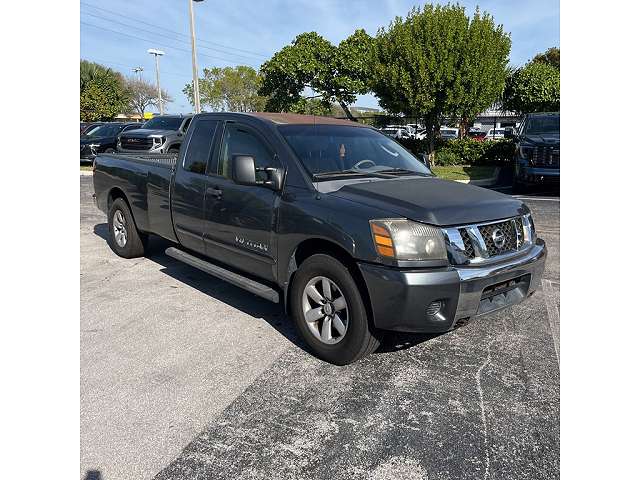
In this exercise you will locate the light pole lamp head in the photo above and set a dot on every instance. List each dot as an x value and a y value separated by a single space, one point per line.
153 51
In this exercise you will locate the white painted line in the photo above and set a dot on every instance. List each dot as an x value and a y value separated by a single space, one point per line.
553 316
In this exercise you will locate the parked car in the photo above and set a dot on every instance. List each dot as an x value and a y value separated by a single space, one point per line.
339 223
410 131
103 138
396 132
495 134
476 134
161 134
537 158
449 133
87 127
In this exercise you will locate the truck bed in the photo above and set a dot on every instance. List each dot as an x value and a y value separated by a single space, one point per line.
146 181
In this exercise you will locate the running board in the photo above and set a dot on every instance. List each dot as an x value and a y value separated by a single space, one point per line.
245 283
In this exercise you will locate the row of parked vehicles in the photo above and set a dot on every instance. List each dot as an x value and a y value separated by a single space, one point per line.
162 134
414 131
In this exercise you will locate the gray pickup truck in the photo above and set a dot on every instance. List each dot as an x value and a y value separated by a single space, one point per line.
340 224
162 134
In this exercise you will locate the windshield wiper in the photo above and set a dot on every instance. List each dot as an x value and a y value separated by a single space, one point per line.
400 170
351 171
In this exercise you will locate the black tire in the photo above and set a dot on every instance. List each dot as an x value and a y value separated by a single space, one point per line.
110 150
133 245
174 149
361 338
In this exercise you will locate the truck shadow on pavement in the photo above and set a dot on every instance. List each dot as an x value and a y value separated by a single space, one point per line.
247 303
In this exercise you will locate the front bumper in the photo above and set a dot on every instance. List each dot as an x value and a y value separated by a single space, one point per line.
537 175
400 297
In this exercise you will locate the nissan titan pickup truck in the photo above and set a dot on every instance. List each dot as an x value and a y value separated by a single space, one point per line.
350 232
162 134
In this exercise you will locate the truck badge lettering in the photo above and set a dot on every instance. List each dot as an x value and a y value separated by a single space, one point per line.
251 244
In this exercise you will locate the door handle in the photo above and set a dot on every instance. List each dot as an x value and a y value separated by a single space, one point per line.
214 192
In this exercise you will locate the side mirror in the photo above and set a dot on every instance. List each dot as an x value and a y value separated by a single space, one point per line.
243 172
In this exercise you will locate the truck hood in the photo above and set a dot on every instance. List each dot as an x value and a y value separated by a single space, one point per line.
433 200
543 139
145 132
87 140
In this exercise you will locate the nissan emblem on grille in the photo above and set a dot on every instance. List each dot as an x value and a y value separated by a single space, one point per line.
498 238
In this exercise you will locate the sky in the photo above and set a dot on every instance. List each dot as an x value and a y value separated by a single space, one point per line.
118 33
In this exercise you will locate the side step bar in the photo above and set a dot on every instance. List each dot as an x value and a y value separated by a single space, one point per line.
252 286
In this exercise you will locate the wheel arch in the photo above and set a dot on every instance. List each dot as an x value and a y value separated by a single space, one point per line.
117 192
313 246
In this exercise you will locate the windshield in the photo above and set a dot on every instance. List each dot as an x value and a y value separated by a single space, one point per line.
164 123
538 125
337 148
105 131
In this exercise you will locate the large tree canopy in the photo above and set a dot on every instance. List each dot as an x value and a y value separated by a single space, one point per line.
232 89
102 92
533 88
336 74
438 62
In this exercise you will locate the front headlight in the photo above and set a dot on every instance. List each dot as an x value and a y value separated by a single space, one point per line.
404 239
157 141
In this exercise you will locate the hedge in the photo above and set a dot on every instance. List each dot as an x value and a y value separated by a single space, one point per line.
466 151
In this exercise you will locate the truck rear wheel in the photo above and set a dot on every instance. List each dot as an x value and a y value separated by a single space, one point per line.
124 238
329 312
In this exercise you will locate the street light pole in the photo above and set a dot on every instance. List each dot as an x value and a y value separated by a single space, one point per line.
157 53
139 71
194 60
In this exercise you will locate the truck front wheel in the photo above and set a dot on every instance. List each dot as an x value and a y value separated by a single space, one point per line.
329 312
124 238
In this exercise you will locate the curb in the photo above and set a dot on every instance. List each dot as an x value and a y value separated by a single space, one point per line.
483 182
86 173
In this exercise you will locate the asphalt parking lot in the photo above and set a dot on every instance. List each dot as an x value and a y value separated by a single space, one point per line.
186 377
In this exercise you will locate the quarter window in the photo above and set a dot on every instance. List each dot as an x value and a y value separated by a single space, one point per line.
200 145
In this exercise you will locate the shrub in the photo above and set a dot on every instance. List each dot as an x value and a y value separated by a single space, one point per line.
466 151
446 157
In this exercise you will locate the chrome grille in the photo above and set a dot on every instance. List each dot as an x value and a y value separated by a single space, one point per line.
508 237
468 246
484 242
546 157
136 143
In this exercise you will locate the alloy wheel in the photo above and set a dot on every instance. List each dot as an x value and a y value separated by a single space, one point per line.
325 310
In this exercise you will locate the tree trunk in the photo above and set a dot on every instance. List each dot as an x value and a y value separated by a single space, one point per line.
464 127
347 112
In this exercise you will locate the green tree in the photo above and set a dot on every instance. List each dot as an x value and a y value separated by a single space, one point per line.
232 89
482 70
336 73
437 62
143 94
550 57
312 106
102 92
533 88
